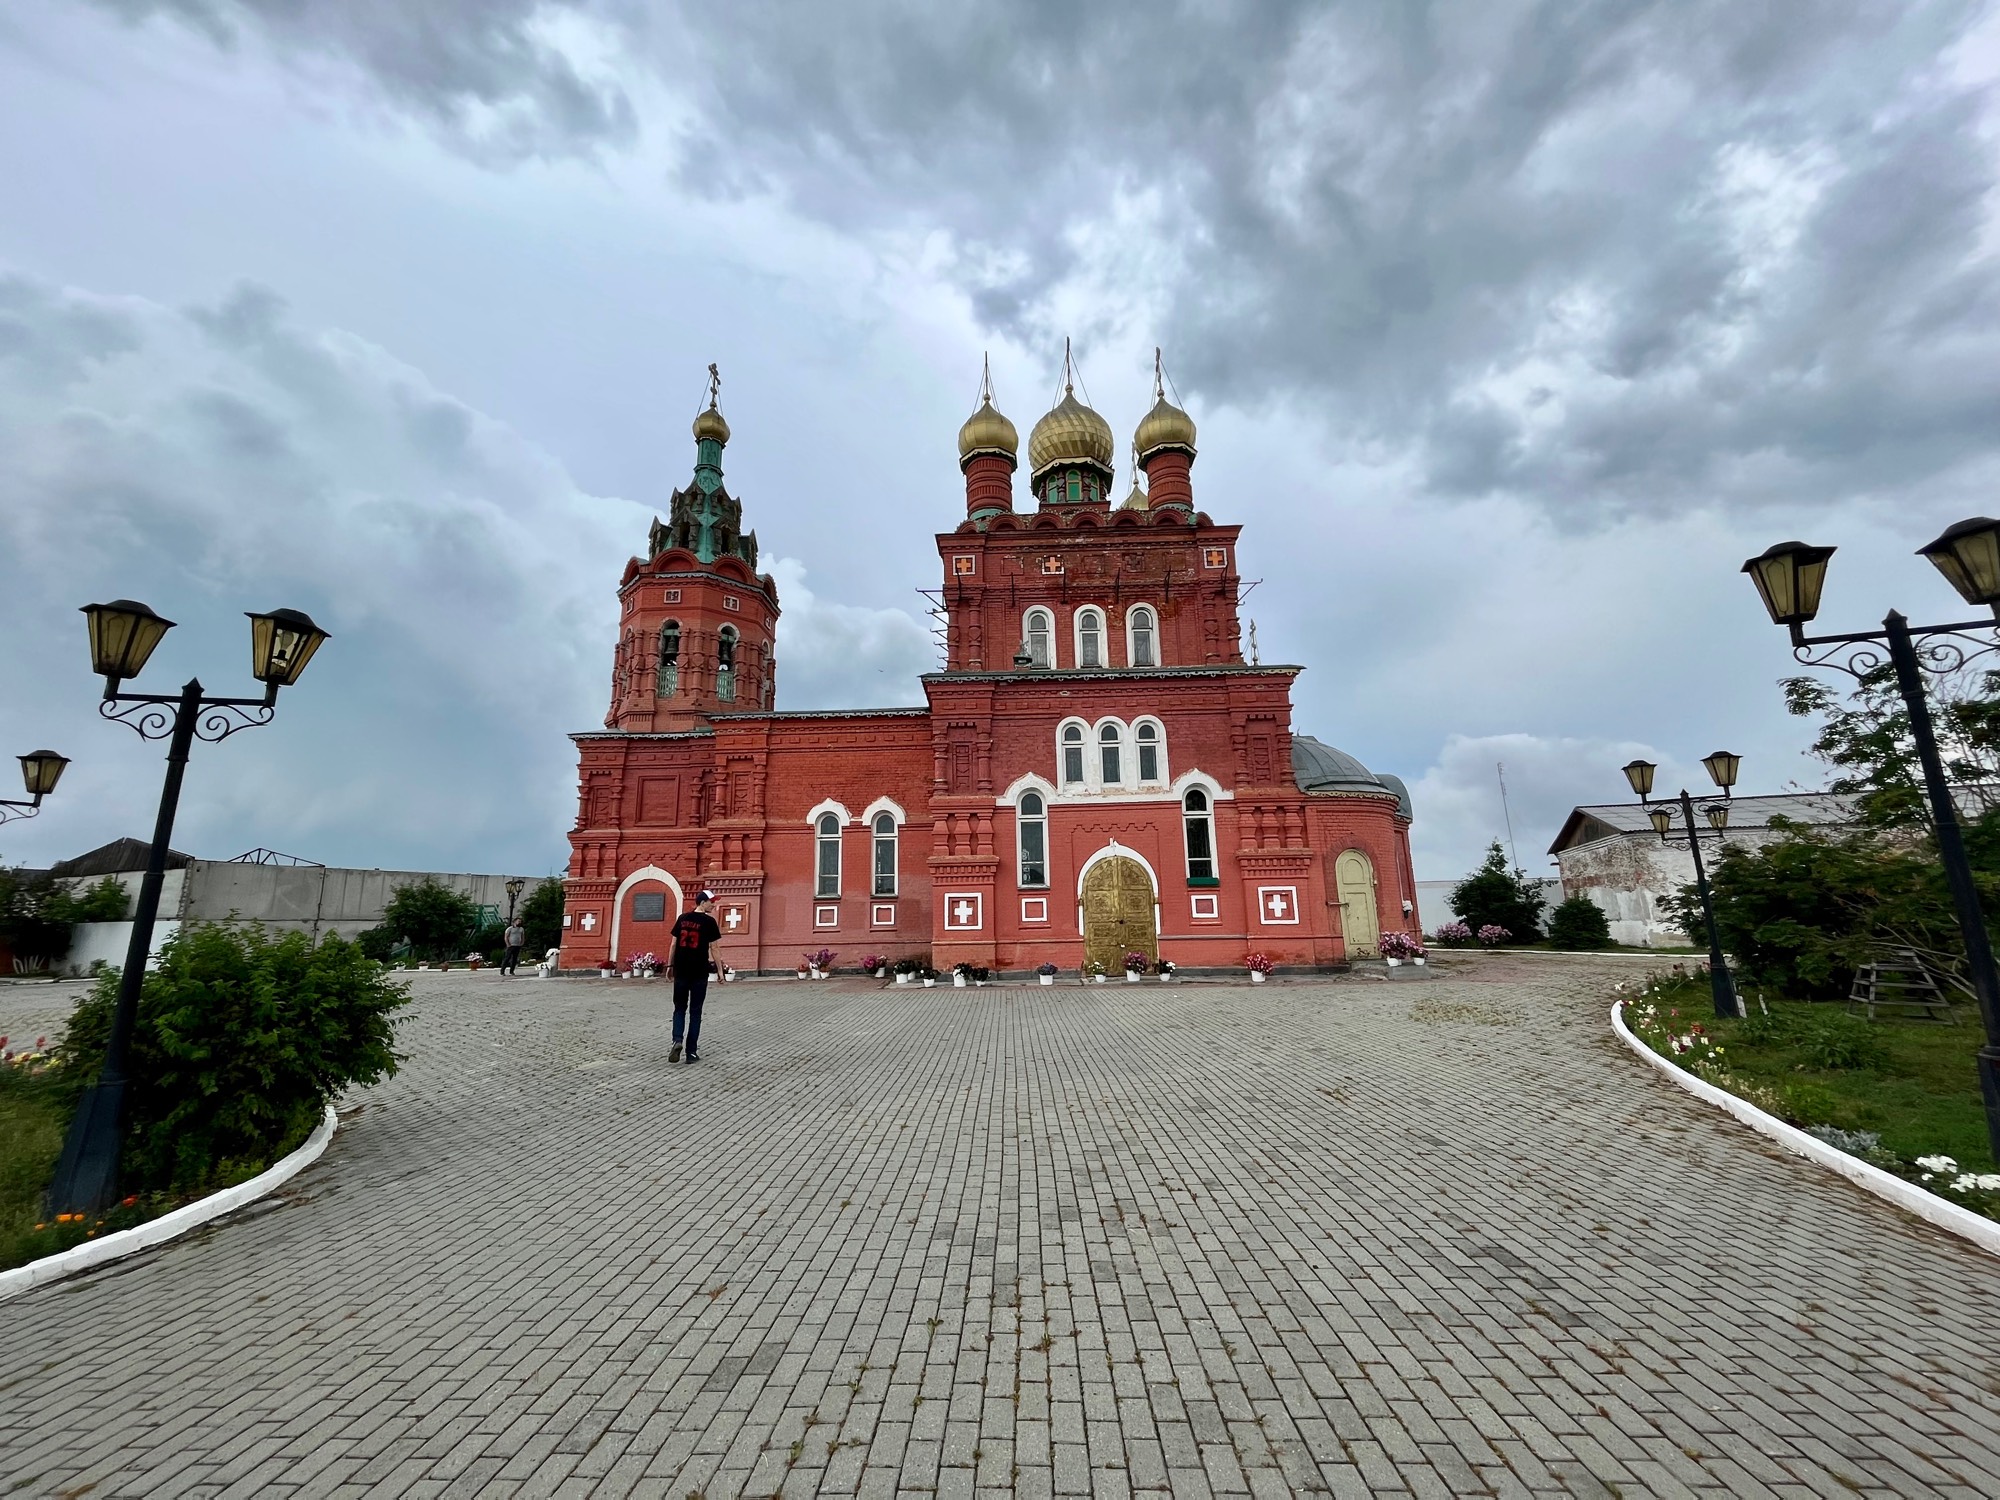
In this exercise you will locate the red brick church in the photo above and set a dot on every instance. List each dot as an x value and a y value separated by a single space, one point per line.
1098 768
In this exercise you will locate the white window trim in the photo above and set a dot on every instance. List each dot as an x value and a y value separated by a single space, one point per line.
896 839
1130 611
1214 844
1132 739
839 856
829 806
879 805
1057 795
1016 793
1103 638
1127 781
1026 634
1061 779
826 916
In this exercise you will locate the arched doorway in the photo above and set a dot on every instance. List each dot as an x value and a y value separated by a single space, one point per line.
1118 912
1354 882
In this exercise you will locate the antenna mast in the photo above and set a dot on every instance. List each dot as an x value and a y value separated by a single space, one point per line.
1500 769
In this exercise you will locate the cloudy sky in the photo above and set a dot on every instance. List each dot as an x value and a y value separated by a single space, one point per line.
1511 329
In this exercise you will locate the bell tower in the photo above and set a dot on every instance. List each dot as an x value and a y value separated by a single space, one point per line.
697 623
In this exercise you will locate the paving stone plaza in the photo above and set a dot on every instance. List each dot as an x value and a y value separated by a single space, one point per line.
1346 1237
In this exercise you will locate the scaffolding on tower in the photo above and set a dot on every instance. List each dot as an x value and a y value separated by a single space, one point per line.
941 630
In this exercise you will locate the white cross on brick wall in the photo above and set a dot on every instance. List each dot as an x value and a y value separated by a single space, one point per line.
1275 903
734 917
963 913
590 921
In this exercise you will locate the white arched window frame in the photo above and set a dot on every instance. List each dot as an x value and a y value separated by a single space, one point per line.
1149 752
1072 754
883 839
1038 631
1142 636
1198 832
669 680
1110 754
1088 624
1031 838
826 854
725 664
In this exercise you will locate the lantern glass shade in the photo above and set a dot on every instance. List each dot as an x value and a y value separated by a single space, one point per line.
281 643
1663 819
1640 774
1969 557
1788 578
1718 815
123 634
1722 766
41 771
516 886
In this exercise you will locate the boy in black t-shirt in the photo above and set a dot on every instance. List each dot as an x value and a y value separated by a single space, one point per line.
692 934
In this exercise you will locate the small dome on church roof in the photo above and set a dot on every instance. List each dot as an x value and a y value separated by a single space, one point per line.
1318 767
710 425
1137 499
1165 426
1070 432
987 431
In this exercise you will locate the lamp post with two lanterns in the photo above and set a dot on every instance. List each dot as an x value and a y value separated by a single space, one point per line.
1722 767
515 886
40 770
122 636
1789 578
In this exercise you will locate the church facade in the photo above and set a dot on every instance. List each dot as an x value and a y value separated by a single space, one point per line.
1098 769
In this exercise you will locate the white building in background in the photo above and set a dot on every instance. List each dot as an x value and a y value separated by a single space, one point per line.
1611 854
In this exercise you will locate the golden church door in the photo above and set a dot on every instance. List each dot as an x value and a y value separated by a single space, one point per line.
1118 913
1354 882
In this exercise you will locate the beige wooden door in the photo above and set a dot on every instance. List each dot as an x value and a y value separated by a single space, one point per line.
1354 881
1118 913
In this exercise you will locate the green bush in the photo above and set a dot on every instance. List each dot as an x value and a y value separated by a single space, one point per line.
541 917
1579 923
378 943
242 1039
34 917
435 920
1495 896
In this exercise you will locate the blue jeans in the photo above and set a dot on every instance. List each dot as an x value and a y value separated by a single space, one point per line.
689 991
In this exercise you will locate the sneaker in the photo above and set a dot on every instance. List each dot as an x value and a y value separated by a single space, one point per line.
693 1056
674 1053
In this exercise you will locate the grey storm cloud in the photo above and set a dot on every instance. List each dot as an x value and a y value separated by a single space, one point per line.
1604 257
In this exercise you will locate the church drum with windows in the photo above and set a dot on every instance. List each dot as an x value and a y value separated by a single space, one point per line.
1098 770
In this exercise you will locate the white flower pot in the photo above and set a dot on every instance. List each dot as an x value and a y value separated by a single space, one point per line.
958 981
1256 976
815 973
602 973
902 979
1165 977
930 984
1418 962
804 975
881 973
1097 979
1133 976
1394 963
1046 979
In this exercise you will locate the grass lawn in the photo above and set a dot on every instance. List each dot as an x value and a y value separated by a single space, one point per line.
1911 1083
34 1113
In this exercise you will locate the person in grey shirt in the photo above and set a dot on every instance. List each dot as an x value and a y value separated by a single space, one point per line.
510 960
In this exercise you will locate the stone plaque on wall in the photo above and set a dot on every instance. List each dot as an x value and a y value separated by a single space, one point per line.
649 906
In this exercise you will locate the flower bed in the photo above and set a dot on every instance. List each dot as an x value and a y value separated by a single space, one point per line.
1899 1095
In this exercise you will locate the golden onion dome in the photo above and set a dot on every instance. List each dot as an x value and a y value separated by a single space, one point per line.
710 425
1138 499
987 431
1070 432
1165 426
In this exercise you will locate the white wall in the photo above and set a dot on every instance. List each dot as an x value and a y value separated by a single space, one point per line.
107 942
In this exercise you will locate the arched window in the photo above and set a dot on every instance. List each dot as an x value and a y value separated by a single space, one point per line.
1041 630
1032 819
1139 633
1072 755
1089 638
1110 751
1200 837
885 854
1147 738
725 664
669 680
828 839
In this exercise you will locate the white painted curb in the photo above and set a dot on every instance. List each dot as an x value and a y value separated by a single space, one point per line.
1982 1231
168 1226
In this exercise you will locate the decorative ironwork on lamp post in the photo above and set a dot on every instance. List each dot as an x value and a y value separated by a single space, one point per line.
122 636
1789 578
40 771
515 885
1722 767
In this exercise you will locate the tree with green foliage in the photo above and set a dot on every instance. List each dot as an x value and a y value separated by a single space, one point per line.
1579 923
34 918
1495 896
242 1040
1865 741
435 920
106 901
541 917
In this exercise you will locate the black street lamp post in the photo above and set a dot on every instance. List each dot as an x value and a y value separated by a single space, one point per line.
122 636
514 888
1789 578
1722 766
40 771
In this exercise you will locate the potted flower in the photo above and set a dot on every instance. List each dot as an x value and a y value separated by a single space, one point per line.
1047 974
728 975
604 969
1259 965
905 970
1167 967
475 961
876 964
1400 947
1136 965
805 971
960 973
821 963
928 975
1095 970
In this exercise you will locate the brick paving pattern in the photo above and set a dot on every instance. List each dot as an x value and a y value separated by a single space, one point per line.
1426 1239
